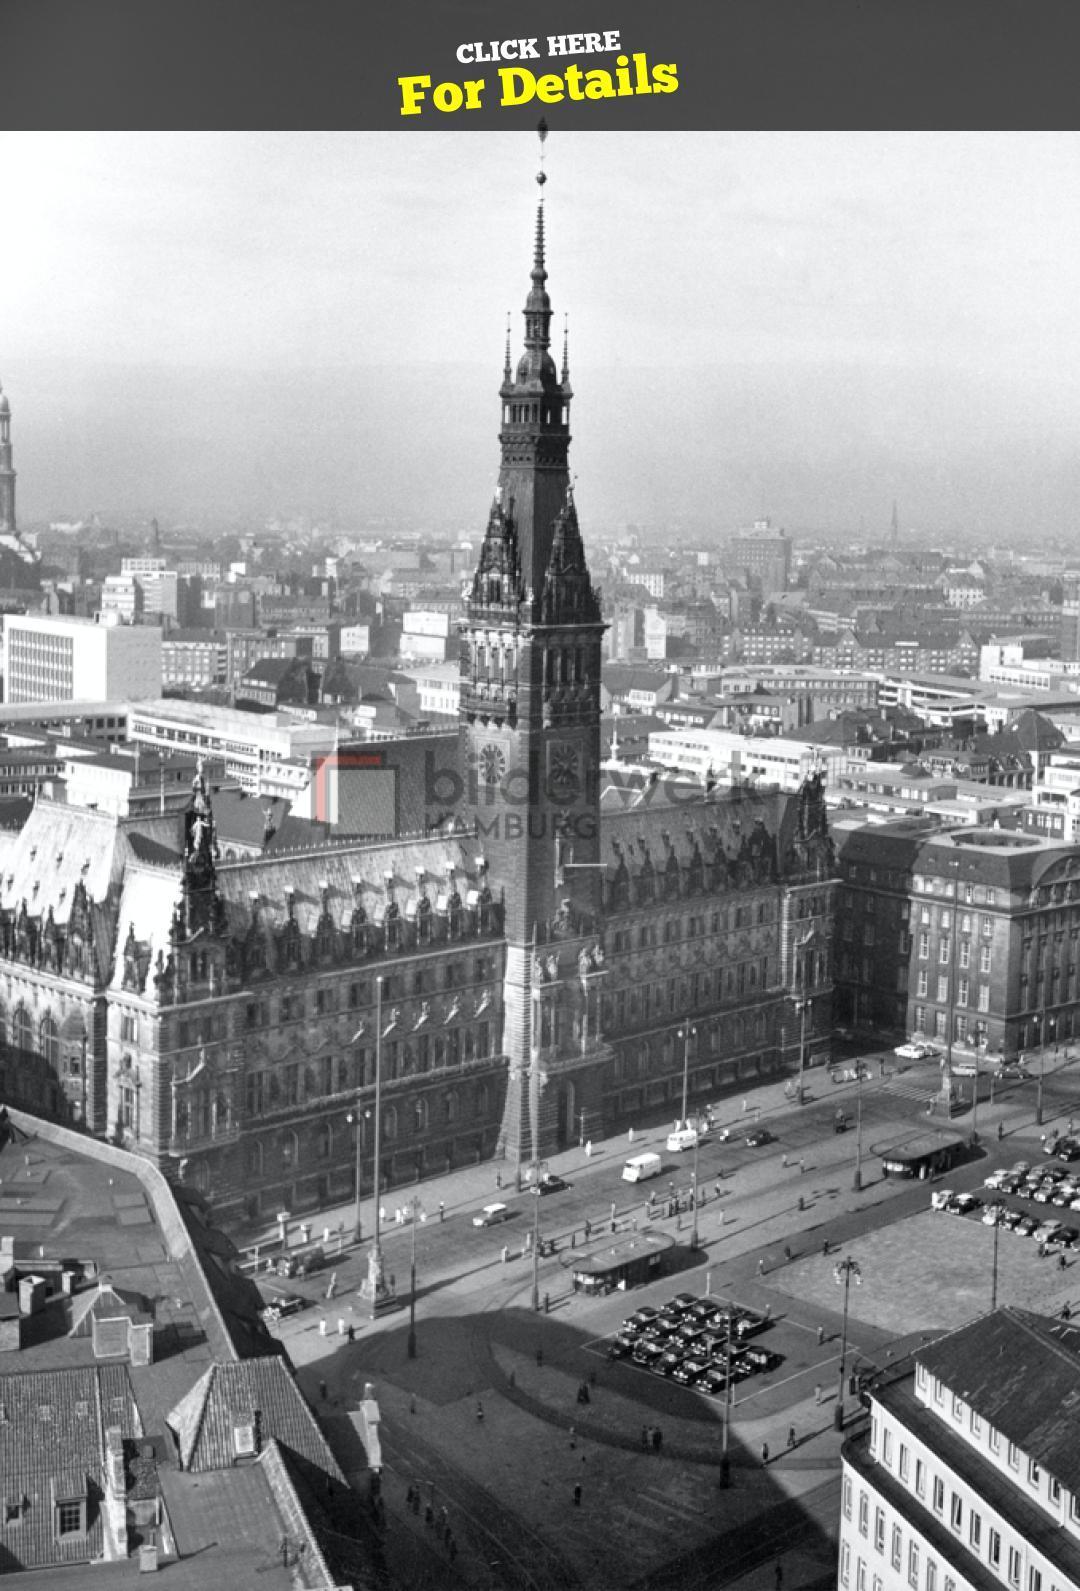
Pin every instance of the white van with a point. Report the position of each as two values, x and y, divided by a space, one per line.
641 1167
682 1138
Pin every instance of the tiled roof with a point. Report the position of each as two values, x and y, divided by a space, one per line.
1021 1373
53 1425
255 1392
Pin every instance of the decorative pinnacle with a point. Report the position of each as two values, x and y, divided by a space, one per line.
506 366
566 350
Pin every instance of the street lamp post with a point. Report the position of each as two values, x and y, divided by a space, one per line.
725 1461
694 1238
356 1118
802 1006
375 1268
416 1208
686 1034
539 1167
856 1180
843 1271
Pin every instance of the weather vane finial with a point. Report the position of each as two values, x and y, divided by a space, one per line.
541 132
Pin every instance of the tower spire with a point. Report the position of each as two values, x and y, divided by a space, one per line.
564 374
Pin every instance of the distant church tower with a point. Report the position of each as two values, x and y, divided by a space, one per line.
530 728
894 528
7 473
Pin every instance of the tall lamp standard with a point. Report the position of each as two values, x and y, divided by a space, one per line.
843 1271
375 1266
1044 1027
355 1118
802 1005
856 1180
694 1238
539 1168
415 1207
686 1034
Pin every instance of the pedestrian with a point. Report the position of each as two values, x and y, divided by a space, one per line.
412 1403
783 1161
1000 1131
429 1515
588 1149
1062 1262
658 1439
791 1437
588 1230
479 1412
573 1436
817 1393
761 1266
442 1211
1066 1312
787 1253
577 1496
718 1187
498 1179
645 1438
409 1496
821 1336
802 1167
322 1390
505 1253
630 1136
764 1452
825 1246
451 1547
352 1332
444 1519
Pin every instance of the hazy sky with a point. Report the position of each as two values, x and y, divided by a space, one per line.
805 325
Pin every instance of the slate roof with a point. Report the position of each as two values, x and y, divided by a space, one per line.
253 1391
37 1448
1021 1372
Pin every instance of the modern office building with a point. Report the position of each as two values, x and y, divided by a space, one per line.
968 1478
74 660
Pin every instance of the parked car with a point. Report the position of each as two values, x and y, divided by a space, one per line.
681 1304
283 1305
491 1215
647 1353
550 1183
995 1179
760 1135
763 1359
1027 1226
749 1324
964 1203
690 1372
915 1050
622 1344
1013 1071
669 1361
942 1198
1048 1232
993 1215
715 1381
637 1322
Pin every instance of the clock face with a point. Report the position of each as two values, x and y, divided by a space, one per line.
563 765
492 763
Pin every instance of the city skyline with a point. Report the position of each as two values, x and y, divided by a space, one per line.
827 322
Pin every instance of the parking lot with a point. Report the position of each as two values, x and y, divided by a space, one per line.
705 1343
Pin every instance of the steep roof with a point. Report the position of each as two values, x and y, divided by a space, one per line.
257 1392
53 1433
1021 1373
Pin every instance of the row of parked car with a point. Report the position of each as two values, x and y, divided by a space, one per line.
1049 1183
688 1340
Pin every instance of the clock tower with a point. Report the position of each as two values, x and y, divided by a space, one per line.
530 728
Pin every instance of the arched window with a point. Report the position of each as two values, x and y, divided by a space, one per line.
290 1150
24 1030
324 1141
253 1158
389 1122
420 1115
483 1099
450 1105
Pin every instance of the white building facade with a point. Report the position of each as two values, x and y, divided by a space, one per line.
76 660
969 1476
